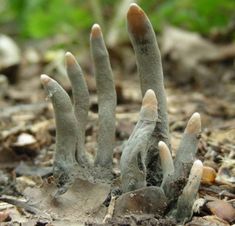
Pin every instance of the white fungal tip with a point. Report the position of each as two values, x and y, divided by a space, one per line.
162 145
68 54
166 159
134 5
164 151
194 124
96 26
45 79
70 59
96 31
149 100
134 10
198 163
149 106
197 168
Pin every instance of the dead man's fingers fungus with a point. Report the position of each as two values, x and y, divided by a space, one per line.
149 67
66 133
106 98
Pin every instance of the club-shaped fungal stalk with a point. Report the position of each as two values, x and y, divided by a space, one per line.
66 134
133 170
149 66
80 101
106 98
189 194
186 152
185 156
166 160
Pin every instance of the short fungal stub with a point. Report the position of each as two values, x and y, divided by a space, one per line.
189 194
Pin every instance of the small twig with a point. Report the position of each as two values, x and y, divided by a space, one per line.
20 204
110 210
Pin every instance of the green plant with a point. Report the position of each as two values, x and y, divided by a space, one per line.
201 16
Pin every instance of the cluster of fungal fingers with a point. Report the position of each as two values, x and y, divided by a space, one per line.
158 183
70 156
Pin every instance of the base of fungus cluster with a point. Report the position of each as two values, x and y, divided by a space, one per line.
85 203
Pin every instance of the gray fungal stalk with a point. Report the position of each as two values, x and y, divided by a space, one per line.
150 71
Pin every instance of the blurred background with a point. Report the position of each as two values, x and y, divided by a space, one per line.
194 36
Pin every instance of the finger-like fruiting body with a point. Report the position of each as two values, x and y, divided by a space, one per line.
186 152
80 100
66 134
185 156
106 98
166 160
189 194
133 170
151 77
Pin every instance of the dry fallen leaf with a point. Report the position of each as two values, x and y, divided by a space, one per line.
4 216
81 203
207 221
208 175
222 209
226 173
147 200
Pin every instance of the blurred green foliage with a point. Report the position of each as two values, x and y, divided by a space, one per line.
43 18
196 15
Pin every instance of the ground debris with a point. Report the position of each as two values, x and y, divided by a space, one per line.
207 221
222 209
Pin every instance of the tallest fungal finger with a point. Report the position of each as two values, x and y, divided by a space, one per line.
151 75
80 99
106 98
66 133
